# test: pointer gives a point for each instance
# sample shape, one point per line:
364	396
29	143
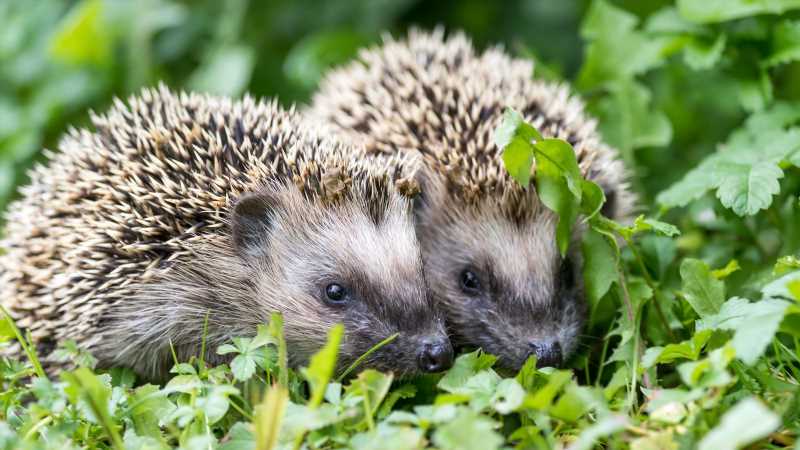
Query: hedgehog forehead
343	240
521	252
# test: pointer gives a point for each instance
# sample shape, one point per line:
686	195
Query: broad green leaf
604	16
747	189
754	325
592	199
507	396
747	422
558	185
705	293
515	138
372	386
243	367
518	160
712	11
468	431
464	368
600	255
780	287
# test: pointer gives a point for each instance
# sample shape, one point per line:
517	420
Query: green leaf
705	293
83	36
388	437
243	367
712	11
508	396
747	422
616	51
322	365
468	431
709	372
558	185
689	349
600	258
515	138
86	386
785	44
747	189
628	119
701	55
148	405
465	366
754	325
518	159
592	199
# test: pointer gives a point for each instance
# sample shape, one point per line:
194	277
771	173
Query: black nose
548	354
435	356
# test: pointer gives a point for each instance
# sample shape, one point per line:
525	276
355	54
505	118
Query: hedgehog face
503	282
343	263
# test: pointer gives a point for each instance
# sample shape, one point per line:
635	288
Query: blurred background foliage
668	80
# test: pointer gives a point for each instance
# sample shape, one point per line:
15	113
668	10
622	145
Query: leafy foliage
693	337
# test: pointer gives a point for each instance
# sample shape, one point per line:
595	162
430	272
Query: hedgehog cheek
250	223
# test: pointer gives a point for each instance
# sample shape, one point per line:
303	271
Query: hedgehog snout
435	354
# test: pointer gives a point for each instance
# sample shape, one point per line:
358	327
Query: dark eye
336	293
470	283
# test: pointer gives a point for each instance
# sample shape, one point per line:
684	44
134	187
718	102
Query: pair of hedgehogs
395	215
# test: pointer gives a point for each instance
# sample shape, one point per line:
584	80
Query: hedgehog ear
250	224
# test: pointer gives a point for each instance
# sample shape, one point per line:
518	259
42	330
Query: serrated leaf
747	189
705	293
747	422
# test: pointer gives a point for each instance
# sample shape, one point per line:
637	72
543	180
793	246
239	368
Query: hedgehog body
180	207
488	244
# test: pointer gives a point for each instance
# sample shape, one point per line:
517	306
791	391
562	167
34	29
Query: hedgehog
183	209
488	244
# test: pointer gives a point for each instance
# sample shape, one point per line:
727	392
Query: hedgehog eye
470	283
336	294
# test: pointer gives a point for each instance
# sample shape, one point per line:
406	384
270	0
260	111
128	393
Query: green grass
694	333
